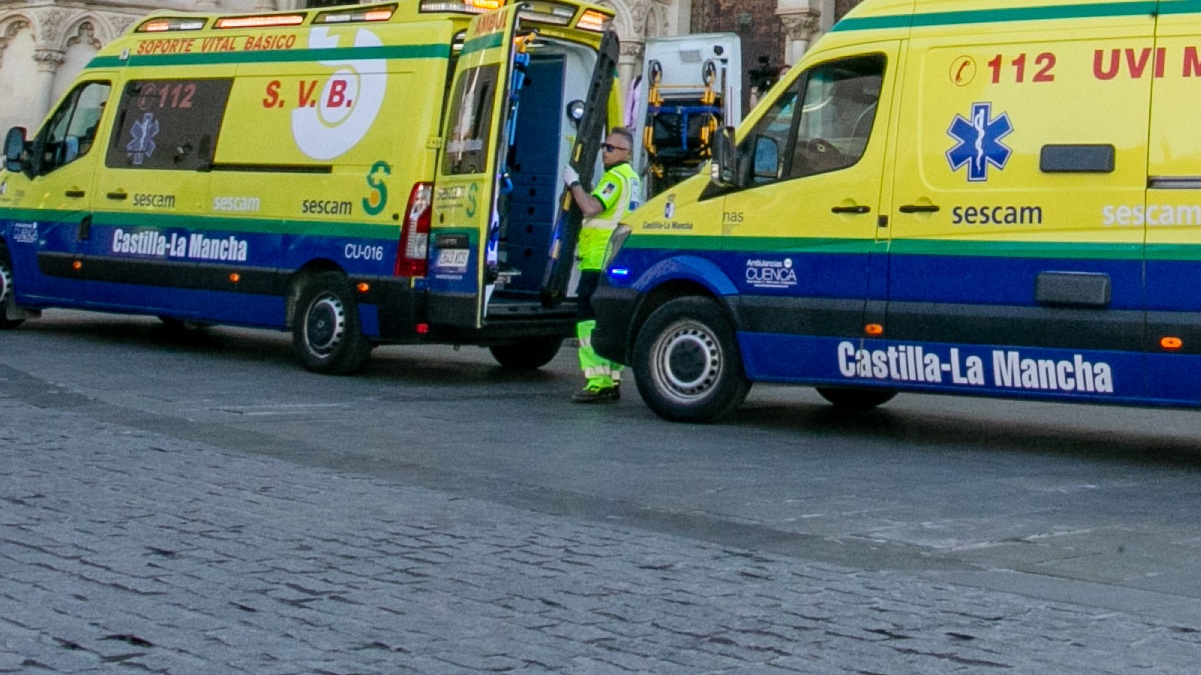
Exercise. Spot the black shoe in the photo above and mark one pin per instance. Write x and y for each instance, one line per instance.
(597, 395)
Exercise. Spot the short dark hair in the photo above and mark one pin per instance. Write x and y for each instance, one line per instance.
(624, 133)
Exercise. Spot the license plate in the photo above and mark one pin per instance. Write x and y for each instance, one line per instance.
(453, 257)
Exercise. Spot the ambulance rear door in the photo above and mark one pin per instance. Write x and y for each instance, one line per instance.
(465, 228)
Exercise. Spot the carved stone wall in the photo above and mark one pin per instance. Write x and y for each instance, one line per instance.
(45, 43)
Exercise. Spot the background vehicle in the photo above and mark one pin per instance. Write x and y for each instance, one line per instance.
(361, 175)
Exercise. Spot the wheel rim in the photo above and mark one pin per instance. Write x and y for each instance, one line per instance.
(687, 361)
(6, 284)
(325, 325)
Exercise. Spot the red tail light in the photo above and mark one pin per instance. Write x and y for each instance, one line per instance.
(411, 255)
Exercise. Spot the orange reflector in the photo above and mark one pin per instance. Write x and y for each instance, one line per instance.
(1171, 342)
(234, 277)
(77, 265)
(873, 329)
(363, 287)
(260, 21)
(423, 328)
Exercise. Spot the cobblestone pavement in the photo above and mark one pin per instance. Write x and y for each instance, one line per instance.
(127, 551)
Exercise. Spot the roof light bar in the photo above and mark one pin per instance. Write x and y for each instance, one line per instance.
(448, 6)
(162, 25)
(592, 20)
(261, 21)
(357, 15)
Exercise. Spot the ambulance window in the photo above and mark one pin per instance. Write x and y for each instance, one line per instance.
(69, 133)
(837, 114)
(168, 124)
(470, 122)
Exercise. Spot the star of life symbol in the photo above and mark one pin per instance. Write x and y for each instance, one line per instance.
(143, 131)
(979, 142)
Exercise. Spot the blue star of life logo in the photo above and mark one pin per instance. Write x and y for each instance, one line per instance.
(979, 142)
(144, 132)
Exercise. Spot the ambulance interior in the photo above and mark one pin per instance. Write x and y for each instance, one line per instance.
(558, 75)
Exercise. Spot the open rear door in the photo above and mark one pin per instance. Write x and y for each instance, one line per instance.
(592, 129)
(466, 222)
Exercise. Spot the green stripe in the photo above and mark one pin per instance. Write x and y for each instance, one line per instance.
(1145, 8)
(939, 247)
(1188, 252)
(142, 220)
(1017, 249)
(427, 51)
(479, 44)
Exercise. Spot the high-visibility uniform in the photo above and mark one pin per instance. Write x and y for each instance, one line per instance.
(618, 191)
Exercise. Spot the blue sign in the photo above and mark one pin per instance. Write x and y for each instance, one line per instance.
(979, 142)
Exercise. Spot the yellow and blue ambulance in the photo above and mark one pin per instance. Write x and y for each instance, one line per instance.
(382, 173)
(993, 198)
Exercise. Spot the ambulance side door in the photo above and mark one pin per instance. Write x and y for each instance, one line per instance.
(155, 175)
(1015, 263)
(1173, 214)
(799, 238)
(63, 159)
(465, 220)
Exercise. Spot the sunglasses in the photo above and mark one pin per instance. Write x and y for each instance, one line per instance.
(609, 147)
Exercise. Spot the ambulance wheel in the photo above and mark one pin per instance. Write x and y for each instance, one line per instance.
(530, 354)
(851, 398)
(7, 301)
(687, 364)
(325, 327)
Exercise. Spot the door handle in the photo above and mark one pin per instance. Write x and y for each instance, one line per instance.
(75, 193)
(851, 209)
(119, 195)
(918, 208)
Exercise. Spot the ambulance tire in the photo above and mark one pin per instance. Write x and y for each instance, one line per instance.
(7, 301)
(855, 399)
(687, 364)
(325, 327)
(530, 354)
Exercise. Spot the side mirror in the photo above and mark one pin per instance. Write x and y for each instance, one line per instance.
(724, 170)
(767, 159)
(14, 149)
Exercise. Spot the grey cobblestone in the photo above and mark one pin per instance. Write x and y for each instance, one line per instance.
(137, 552)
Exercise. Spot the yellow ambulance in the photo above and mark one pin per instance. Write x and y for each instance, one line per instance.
(382, 173)
(992, 198)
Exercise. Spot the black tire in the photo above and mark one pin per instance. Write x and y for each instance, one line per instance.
(853, 398)
(7, 301)
(687, 364)
(326, 334)
(530, 354)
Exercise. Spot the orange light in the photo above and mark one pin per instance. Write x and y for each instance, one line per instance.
(873, 329)
(156, 26)
(261, 21)
(483, 4)
(592, 20)
(234, 277)
(1171, 342)
(77, 265)
(363, 287)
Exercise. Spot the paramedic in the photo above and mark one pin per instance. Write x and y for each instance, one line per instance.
(617, 193)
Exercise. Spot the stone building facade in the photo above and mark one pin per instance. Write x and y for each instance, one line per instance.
(45, 43)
